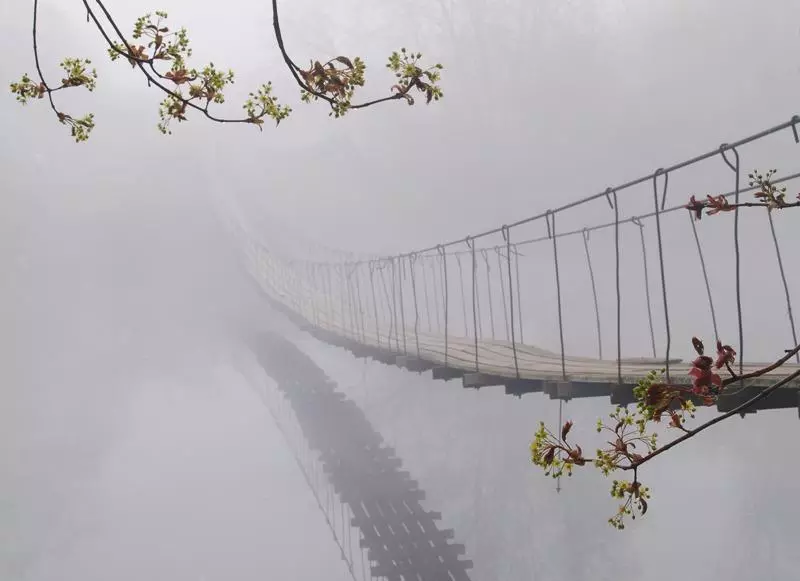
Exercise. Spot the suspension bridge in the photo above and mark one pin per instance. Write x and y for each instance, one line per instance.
(463, 310)
(581, 300)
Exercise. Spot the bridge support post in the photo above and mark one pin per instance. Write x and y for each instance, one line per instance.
(477, 380)
(447, 373)
(520, 387)
(558, 388)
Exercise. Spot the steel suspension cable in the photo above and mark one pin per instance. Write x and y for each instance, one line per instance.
(636, 222)
(388, 306)
(360, 305)
(394, 307)
(615, 206)
(507, 238)
(661, 259)
(463, 294)
(485, 255)
(411, 266)
(594, 294)
(402, 308)
(783, 280)
(735, 168)
(434, 259)
(425, 290)
(446, 298)
(374, 301)
(790, 124)
(471, 244)
(705, 276)
(519, 292)
(503, 290)
(551, 229)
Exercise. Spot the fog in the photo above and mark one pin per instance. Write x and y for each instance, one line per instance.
(134, 439)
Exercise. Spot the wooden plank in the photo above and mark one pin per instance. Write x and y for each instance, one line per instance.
(447, 373)
(482, 380)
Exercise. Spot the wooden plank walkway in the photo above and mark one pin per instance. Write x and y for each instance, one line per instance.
(402, 539)
(535, 369)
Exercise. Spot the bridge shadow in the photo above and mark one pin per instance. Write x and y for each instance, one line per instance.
(402, 539)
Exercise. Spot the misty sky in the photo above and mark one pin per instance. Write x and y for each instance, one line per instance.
(132, 445)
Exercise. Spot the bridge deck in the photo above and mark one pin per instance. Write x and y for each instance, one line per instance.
(496, 358)
(521, 368)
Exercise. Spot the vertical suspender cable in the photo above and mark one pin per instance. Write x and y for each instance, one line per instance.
(485, 255)
(550, 217)
(594, 293)
(736, 170)
(446, 300)
(503, 290)
(507, 238)
(705, 276)
(661, 259)
(783, 279)
(638, 223)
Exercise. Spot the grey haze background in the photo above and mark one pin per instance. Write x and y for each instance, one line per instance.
(132, 445)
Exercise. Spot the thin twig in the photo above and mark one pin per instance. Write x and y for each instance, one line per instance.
(153, 79)
(294, 70)
(47, 88)
(762, 371)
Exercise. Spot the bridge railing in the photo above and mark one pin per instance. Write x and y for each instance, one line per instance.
(626, 273)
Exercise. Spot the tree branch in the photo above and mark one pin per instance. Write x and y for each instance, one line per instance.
(36, 59)
(738, 409)
(77, 75)
(789, 354)
(333, 82)
(295, 70)
(154, 78)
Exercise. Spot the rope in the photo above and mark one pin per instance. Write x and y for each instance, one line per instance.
(425, 290)
(329, 293)
(489, 289)
(476, 276)
(615, 206)
(519, 293)
(436, 295)
(411, 266)
(735, 168)
(594, 293)
(661, 258)
(402, 308)
(360, 306)
(340, 272)
(671, 209)
(471, 246)
(790, 124)
(783, 279)
(463, 295)
(446, 298)
(374, 301)
(388, 307)
(503, 291)
(313, 283)
(647, 286)
(705, 277)
(507, 238)
(394, 306)
(351, 297)
(551, 228)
